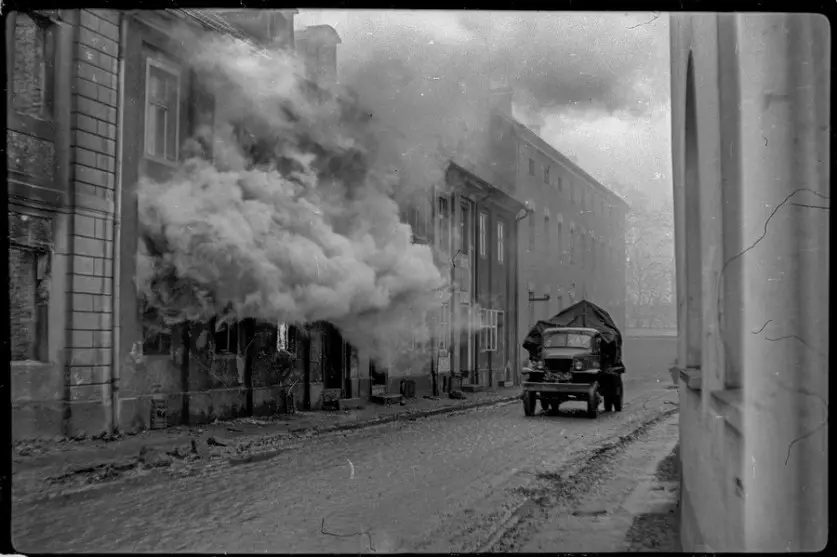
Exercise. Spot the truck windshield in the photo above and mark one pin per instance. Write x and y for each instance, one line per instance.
(567, 340)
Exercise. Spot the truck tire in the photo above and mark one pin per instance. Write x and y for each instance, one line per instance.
(617, 399)
(529, 403)
(593, 401)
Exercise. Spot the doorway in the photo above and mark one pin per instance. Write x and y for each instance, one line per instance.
(333, 357)
(466, 342)
(377, 380)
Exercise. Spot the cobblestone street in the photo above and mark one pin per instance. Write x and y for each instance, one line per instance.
(436, 484)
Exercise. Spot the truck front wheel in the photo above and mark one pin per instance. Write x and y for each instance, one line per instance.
(593, 401)
(617, 397)
(529, 403)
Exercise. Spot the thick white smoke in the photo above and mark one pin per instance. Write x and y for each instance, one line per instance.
(289, 221)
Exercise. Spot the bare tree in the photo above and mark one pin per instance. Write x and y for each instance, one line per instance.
(650, 302)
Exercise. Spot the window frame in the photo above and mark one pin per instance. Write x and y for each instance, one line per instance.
(444, 218)
(546, 168)
(489, 319)
(501, 242)
(443, 337)
(172, 70)
(483, 229)
(532, 168)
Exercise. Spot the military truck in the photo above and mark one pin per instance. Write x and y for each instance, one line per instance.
(574, 355)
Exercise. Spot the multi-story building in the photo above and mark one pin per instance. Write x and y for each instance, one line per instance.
(572, 245)
(750, 136)
(79, 80)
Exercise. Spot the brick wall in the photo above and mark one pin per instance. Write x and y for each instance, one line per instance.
(93, 135)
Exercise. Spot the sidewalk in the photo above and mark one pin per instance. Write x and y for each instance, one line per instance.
(39, 465)
(633, 509)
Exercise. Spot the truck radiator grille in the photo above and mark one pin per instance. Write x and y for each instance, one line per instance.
(558, 366)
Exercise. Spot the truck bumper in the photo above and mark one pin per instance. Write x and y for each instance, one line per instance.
(569, 388)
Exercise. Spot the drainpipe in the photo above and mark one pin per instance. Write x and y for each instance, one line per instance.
(117, 227)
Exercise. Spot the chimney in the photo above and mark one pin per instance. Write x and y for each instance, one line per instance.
(317, 46)
(501, 99)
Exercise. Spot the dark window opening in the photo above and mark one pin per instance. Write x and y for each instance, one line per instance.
(29, 303)
(226, 337)
(34, 66)
(531, 167)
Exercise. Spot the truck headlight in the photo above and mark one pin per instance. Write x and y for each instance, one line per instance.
(578, 365)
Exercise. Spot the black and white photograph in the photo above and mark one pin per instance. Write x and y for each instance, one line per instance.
(352, 281)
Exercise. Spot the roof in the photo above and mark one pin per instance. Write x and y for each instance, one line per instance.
(559, 157)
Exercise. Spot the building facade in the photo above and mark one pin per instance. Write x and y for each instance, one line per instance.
(572, 245)
(750, 141)
(61, 159)
(85, 86)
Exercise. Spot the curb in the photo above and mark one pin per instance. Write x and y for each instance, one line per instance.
(409, 415)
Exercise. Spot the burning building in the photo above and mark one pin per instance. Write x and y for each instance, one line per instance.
(232, 232)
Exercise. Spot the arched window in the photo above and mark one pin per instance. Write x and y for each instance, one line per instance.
(546, 232)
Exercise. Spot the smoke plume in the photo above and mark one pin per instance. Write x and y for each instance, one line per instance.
(295, 220)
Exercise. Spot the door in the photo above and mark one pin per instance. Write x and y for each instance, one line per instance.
(333, 358)
(378, 379)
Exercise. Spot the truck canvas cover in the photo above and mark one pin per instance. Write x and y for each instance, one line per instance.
(580, 314)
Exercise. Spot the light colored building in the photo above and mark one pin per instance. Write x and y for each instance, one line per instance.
(572, 245)
(750, 124)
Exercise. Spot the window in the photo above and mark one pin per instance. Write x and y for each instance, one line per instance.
(560, 301)
(531, 167)
(546, 232)
(162, 110)
(483, 225)
(444, 328)
(532, 232)
(34, 66)
(29, 299)
(466, 243)
(559, 240)
(560, 184)
(489, 325)
(417, 219)
(226, 337)
(501, 243)
(156, 342)
(444, 225)
(572, 245)
(546, 174)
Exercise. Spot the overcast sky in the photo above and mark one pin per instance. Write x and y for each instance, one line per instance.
(597, 82)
